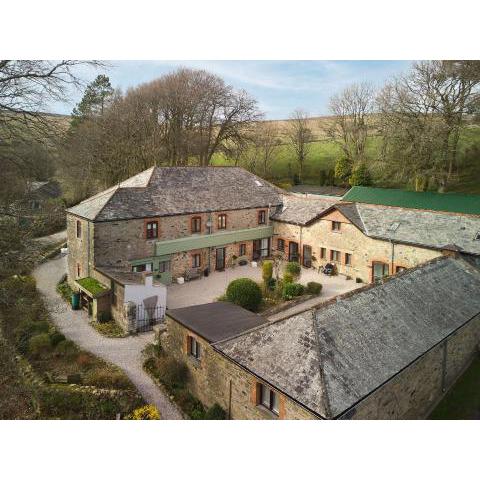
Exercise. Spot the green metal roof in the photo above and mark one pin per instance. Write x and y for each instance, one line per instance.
(442, 202)
(215, 239)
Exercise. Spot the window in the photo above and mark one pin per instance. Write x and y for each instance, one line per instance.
(193, 347)
(164, 267)
(196, 260)
(262, 217)
(144, 267)
(380, 270)
(79, 229)
(307, 256)
(79, 270)
(335, 255)
(268, 398)
(196, 224)
(242, 250)
(323, 253)
(348, 259)
(281, 245)
(336, 226)
(222, 221)
(152, 229)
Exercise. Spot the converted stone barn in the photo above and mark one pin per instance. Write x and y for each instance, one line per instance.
(387, 351)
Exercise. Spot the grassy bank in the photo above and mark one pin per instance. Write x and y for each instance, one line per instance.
(462, 402)
(46, 376)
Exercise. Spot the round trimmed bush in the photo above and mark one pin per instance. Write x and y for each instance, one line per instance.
(293, 268)
(291, 290)
(314, 288)
(39, 344)
(244, 292)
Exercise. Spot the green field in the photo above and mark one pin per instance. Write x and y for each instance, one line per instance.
(323, 154)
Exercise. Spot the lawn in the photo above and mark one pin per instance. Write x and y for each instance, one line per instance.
(462, 402)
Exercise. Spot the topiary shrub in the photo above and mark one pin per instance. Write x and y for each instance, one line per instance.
(291, 290)
(314, 288)
(293, 268)
(56, 338)
(148, 412)
(244, 292)
(215, 412)
(39, 345)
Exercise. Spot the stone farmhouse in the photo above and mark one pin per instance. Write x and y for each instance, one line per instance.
(168, 224)
(387, 351)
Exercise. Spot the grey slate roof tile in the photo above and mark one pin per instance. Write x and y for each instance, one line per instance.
(331, 360)
(302, 210)
(162, 191)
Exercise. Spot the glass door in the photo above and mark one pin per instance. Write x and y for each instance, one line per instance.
(220, 259)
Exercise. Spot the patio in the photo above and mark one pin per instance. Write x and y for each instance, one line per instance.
(208, 289)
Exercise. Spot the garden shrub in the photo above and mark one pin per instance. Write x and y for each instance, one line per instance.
(215, 412)
(271, 284)
(293, 268)
(171, 372)
(267, 271)
(147, 412)
(314, 288)
(291, 290)
(287, 278)
(26, 330)
(66, 348)
(39, 344)
(103, 377)
(244, 292)
(56, 338)
(63, 288)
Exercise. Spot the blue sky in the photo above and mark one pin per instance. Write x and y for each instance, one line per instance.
(279, 86)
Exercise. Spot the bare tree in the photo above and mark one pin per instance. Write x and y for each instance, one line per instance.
(300, 136)
(349, 128)
(422, 114)
(266, 143)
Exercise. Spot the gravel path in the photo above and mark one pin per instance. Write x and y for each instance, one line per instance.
(123, 352)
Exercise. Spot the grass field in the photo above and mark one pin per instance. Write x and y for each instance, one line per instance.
(462, 402)
(323, 154)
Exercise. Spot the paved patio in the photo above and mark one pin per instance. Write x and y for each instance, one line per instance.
(208, 289)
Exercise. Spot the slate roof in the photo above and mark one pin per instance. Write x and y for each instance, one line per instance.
(164, 191)
(216, 321)
(331, 359)
(301, 210)
(445, 202)
(430, 229)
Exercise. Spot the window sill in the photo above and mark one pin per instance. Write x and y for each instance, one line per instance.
(267, 412)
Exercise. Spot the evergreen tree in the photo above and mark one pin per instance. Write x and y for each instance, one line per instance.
(94, 101)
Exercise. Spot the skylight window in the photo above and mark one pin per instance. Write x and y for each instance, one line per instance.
(394, 227)
(259, 184)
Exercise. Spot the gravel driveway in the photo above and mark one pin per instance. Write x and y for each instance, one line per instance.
(123, 352)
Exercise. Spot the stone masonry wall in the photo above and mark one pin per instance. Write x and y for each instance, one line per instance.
(216, 379)
(117, 243)
(79, 248)
(363, 249)
(414, 392)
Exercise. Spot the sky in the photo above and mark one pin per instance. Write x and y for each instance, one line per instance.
(280, 87)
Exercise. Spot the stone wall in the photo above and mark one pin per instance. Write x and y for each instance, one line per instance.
(414, 392)
(79, 249)
(117, 243)
(216, 379)
(363, 249)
